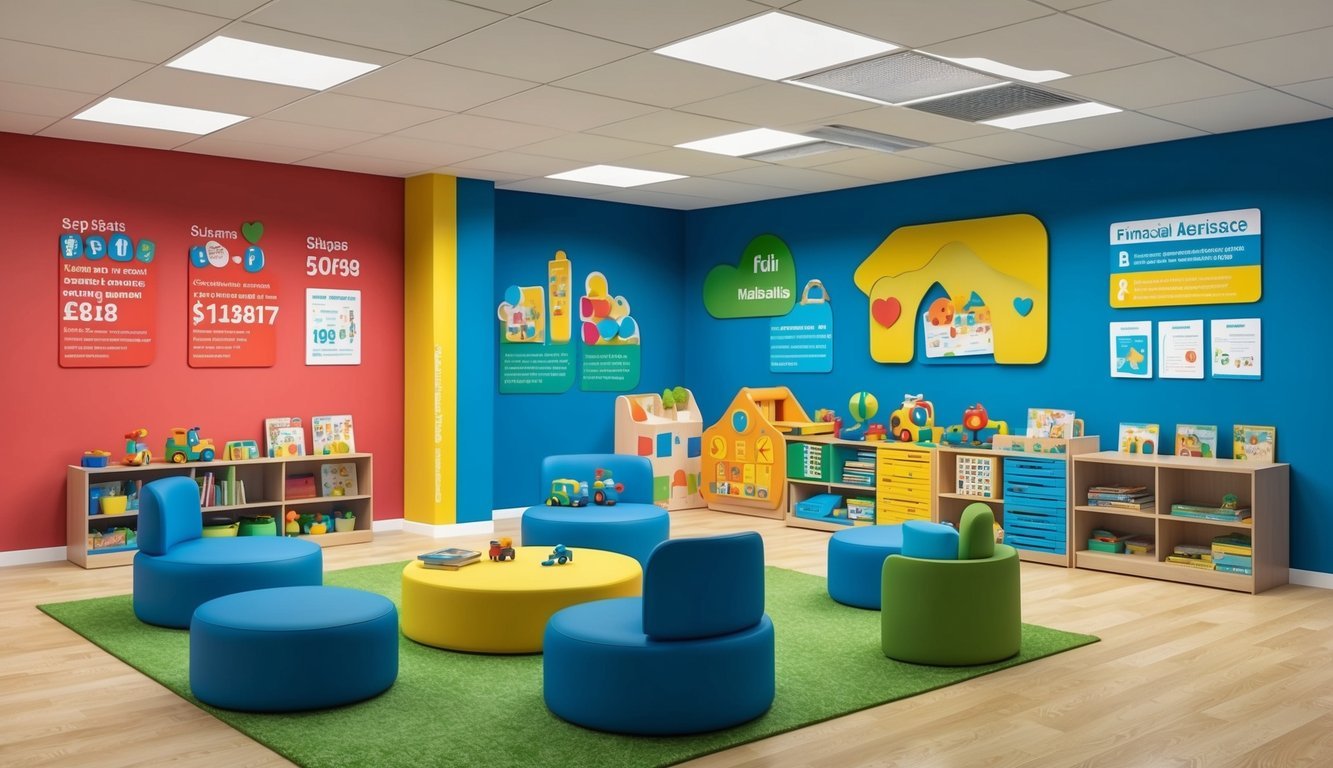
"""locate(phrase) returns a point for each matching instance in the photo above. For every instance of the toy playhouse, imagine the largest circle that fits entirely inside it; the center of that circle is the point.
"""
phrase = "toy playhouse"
(670, 438)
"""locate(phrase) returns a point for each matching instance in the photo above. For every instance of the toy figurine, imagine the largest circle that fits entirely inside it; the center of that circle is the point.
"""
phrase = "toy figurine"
(559, 556)
(293, 526)
(914, 420)
(136, 450)
(502, 549)
(186, 445)
(1230, 501)
(978, 430)
(606, 491)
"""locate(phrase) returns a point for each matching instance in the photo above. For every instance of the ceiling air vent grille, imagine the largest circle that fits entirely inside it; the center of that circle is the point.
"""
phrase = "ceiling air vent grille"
(992, 103)
(863, 139)
(899, 77)
(792, 153)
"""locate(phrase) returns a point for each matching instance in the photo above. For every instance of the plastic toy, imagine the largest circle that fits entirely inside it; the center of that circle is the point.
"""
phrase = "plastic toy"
(1230, 501)
(186, 445)
(559, 556)
(136, 450)
(567, 493)
(606, 491)
(502, 549)
(914, 420)
(293, 526)
(977, 429)
(863, 406)
(238, 450)
(744, 458)
(95, 458)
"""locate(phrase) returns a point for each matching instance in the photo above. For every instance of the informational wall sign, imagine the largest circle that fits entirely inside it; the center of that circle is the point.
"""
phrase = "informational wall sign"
(1131, 350)
(108, 296)
(763, 284)
(1237, 349)
(802, 340)
(232, 305)
(1204, 258)
(332, 327)
(1180, 349)
(533, 360)
(611, 352)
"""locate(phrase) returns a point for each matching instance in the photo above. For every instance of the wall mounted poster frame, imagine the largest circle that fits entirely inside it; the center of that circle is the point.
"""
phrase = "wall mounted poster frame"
(802, 340)
(1237, 348)
(232, 303)
(333, 320)
(107, 288)
(536, 356)
(611, 354)
(1202, 258)
(1131, 350)
(1180, 349)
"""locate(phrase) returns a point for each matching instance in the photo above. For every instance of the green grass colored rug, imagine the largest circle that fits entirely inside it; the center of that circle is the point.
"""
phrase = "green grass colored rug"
(462, 709)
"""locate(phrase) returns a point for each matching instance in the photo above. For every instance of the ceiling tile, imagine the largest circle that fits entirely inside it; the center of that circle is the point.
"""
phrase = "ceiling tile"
(228, 9)
(647, 196)
(710, 187)
(1239, 111)
(70, 70)
(1189, 26)
(245, 150)
(556, 187)
(400, 26)
(165, 85)
(649, 78)
(505, 6)
(1320, 91)
(106, 133)
(885, 167)
(36, 100)
(361, 164)
(645, 23)
(528, 50)
(118, 28)
(1014, 147)
(1121, 129)
(824, 158)
(950, 157)
(1296, 58)
(315, 137)
(799, 179)
(691, 162)
(1068, 5)
(438, 86)
(517, 162)
(775, 104)
(22, 122)
(1154, 83)
(477, 131)
(903, 122)
(353, 113)
(669, 128)
(561, 108)
(500, 177)
(1060, 42)
(257, 33)
(591, 149)
(432, 153)
(914, 23)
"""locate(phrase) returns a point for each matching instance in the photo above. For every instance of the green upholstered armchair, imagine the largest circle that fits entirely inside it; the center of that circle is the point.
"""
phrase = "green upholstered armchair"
(951, 611)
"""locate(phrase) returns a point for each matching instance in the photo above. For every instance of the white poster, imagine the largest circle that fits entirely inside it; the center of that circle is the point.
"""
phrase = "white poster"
(1131, 350)
(1236, 349)
(1180, 349)
(332, 327)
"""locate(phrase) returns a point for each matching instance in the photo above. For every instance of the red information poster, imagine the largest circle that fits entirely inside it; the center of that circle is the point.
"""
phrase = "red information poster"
(108, 306)
(233, 304)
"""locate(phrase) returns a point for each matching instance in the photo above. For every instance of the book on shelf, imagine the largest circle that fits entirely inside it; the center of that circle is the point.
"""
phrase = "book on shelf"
(1118, 490)
(1137, 437)
(338, 479)
(1253, 443)
(1138, 544)
(1142, 504)
(1104, 496)
(1240, 569)
(1192, 562)
(1050, 422)
(273, 447)
(1198, 440)
(1233, 544)
(1237, 561)
(289, 441)
(332, 435)
(1200, 512)
(449, 558)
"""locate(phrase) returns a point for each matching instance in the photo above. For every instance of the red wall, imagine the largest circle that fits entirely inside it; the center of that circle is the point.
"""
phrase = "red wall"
(52, 414)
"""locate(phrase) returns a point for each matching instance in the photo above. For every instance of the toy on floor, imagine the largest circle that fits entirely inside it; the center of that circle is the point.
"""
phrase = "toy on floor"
(186, 445)
(977, 429)
(606, 491)
(914, 420)
(502, 549)
(568, 493)
(559, 556)
(136, 450)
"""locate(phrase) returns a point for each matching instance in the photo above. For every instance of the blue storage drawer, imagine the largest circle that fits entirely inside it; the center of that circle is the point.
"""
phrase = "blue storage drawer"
(1021, 520)
(1028, 496)
(1038, 545)
(1034, 467)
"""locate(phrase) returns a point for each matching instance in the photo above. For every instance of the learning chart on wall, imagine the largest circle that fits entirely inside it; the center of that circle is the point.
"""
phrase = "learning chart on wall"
(233, 301)
(1131, 350)
(108, 295)
(1237, 349)
(1180, 349)
(610, 353)
(333, 327)
(801, 341)
(1202, 258)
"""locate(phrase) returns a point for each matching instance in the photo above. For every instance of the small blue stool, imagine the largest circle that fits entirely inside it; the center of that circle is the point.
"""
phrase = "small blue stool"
(856, 563)
(293, 648)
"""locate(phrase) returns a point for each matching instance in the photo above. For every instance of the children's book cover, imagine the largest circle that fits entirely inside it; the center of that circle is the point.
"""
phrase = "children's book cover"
(338, 480)
(271, 427)
(288, 441)
(332, 435)
(1050, 422)
(1254, 443)
(1196, 440)
(1138, 437)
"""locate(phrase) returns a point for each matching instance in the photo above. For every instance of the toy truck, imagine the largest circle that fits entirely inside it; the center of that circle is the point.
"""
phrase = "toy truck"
(186, 445)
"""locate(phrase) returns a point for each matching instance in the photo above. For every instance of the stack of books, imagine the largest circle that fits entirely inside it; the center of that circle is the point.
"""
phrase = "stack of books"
(860, 468)
(1132, 497)
(1204, 512)
(1234, 553)
(449, 558)
(1192, 555)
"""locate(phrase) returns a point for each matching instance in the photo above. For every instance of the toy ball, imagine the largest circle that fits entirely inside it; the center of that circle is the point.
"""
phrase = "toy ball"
(863, 406)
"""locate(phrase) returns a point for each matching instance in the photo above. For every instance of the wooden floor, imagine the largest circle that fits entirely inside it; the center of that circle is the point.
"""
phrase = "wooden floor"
(1184, 676)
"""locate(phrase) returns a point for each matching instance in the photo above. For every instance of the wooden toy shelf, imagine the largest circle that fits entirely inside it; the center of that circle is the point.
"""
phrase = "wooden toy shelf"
(1263, 488)
(265, 484)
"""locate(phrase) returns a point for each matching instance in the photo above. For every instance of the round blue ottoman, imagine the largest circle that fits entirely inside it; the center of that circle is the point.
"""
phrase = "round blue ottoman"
(628, 528)
(293, 648)
(856, 563)
(601, 671)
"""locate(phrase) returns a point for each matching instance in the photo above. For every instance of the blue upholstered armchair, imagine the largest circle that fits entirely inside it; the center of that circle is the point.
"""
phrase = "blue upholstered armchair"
(694, 654)
(633, 526)
(176, 569)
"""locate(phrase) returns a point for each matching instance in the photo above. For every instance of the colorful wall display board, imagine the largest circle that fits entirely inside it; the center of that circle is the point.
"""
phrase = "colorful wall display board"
(994, 277)
(610, 351)
(1202, 258)
(332, 327)
(233, 301)
(107, 286)
(670, 438)
(1237, 349)
(762, 284)
(745, 454)
(535, 354)
(802, 340)
(1180, 349)
(1131, 350)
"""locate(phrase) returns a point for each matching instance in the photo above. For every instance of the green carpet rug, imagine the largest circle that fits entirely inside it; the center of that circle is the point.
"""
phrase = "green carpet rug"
(462, 709)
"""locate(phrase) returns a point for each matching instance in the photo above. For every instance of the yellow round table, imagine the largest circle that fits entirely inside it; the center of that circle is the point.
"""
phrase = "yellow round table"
(491, 607)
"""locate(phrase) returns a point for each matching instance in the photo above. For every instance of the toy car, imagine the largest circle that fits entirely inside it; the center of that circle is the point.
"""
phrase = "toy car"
(502, 549)
(185, 445)
(559, 556)
(606, 491)
(567, 493)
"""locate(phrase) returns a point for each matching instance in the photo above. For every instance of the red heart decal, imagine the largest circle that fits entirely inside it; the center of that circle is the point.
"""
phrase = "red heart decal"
(886, 311)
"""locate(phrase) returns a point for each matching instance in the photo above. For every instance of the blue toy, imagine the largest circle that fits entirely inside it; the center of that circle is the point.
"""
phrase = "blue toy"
(606, 491)
(559, 556)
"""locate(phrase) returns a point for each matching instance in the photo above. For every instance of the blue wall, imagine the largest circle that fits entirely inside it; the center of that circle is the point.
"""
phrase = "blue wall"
(476, 344)
(1286, 172)
(640, 250)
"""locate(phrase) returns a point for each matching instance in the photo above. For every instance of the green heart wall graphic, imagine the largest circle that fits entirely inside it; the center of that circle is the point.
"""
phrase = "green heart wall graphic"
(252, 231)
(763, 284)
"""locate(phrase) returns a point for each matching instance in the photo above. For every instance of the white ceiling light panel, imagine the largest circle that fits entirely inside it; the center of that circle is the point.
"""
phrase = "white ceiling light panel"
(165, 117)
(1056, 115)
(1005, 70)
(747, 142)
(243, 59)
(615, 176)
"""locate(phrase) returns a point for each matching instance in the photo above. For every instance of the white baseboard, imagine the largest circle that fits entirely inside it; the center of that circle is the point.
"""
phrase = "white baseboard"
(448, 531)
(1311, 578)
(381, 526)
(30, 556)
(508, 513)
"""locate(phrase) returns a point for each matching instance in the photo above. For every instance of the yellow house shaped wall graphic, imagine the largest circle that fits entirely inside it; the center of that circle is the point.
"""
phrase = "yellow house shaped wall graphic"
(745, 453)
(1001, 259)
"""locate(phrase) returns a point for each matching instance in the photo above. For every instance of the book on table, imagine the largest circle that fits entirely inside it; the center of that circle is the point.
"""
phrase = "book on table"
(449, 558)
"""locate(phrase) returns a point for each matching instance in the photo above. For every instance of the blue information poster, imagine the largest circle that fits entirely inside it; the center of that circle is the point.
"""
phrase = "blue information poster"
(802, 340)
(1202, 258)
